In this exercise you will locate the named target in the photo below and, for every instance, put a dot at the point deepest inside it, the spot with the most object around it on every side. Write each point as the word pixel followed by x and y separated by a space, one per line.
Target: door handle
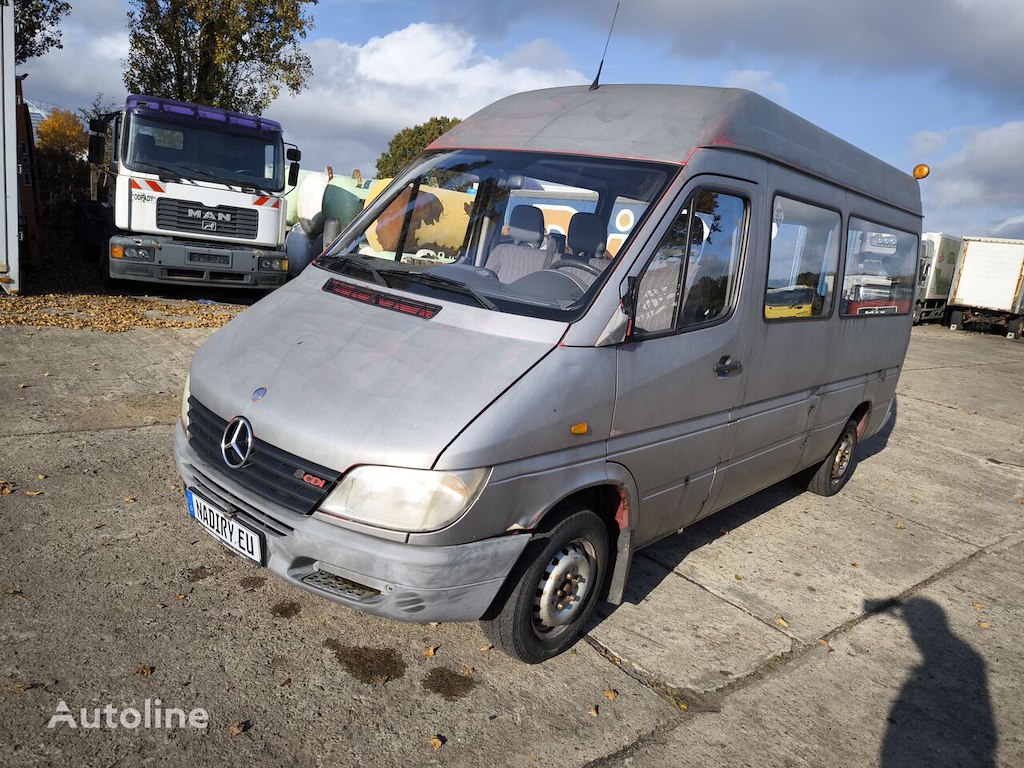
pixel 726 366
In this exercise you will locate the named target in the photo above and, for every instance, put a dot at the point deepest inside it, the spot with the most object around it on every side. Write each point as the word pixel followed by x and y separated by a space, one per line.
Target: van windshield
pixel 520 232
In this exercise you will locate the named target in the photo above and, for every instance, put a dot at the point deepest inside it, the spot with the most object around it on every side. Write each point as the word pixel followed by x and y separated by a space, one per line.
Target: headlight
pixel 184 400
pixel 399 499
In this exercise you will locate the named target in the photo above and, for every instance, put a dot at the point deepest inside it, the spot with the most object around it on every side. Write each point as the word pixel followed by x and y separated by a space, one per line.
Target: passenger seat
pixel 523 256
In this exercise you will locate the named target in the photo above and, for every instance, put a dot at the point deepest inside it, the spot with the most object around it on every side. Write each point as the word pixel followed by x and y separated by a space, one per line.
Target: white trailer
pixel 988 286
pixel 936 265
pixel 10 276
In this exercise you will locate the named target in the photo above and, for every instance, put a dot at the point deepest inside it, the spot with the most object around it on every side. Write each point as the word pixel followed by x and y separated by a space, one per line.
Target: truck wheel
pixel 1014 328
pixel 956 320
pixel 829 477
pixel 554 590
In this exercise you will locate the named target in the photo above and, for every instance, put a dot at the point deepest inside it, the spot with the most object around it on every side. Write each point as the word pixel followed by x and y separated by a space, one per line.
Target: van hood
pixel 351 383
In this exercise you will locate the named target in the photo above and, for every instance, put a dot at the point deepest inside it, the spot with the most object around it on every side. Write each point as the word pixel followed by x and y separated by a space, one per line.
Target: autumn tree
pixel 409 142
pixel 37 27
pixel 62 131
pixel 234 54
pixel 61 167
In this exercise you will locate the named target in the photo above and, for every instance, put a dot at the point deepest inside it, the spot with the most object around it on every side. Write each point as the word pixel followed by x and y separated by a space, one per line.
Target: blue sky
pixel 935 81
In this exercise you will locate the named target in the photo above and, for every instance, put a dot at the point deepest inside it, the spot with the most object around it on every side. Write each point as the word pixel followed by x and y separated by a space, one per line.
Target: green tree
pixel 98 108
pixel 37 27
pixel 409 142
pixel 234 54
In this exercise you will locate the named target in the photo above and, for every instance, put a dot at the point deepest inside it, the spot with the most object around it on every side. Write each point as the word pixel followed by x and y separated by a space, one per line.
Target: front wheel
pixel 829 477
pixel 554 590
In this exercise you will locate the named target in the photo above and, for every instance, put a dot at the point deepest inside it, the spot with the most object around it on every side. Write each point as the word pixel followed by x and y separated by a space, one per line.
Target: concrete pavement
pixel 879 627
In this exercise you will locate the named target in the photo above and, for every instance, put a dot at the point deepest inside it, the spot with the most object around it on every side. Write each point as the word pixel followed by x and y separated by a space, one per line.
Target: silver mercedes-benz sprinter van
pixel 580 321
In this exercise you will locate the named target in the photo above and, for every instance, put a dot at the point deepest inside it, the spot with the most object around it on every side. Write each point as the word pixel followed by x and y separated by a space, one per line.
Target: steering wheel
pixel 586 266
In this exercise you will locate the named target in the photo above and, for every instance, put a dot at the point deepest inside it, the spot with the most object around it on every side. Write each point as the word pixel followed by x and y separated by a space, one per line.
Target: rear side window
pixel 693 277
pixel 803 260
pixel 880 270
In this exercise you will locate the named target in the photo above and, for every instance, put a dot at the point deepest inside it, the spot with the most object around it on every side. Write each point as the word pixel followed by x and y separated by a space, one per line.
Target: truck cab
pixel 184 193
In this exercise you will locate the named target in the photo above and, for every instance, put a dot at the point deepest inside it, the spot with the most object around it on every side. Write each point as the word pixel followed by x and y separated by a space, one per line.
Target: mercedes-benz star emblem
pixel 236 445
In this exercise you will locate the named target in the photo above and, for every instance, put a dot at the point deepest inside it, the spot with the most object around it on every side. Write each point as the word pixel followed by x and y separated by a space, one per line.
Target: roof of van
pixel 668 123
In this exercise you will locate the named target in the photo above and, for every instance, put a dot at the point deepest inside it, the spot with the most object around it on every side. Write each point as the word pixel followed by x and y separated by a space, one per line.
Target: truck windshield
pixel 528 233
pixel 201 150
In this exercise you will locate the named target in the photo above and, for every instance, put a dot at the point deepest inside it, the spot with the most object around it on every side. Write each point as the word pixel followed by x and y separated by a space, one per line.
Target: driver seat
pixel 586 240
pixel 521 257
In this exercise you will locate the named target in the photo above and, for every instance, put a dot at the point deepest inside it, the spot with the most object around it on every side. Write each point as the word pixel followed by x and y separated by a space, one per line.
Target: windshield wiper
pixel 351 266
pixel 445 283
pixel 165 173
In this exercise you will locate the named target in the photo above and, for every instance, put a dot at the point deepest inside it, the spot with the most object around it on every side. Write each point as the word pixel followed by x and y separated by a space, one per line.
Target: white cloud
pixel 759 81
pixel 359 96
pixel 977 189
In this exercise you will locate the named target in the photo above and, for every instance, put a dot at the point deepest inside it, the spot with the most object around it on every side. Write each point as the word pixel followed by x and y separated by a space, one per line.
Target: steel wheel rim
pixel 844 453
pixel 564 587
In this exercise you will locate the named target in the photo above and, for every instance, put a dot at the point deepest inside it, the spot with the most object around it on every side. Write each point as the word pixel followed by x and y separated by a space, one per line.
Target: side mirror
pixel 293 153
pixel 97 124
pixel 293 174
pixel 96 145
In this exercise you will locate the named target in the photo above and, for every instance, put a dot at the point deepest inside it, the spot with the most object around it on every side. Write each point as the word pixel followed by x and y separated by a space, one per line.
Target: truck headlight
pixel 274 265
pixel 398 499
pixel 184 400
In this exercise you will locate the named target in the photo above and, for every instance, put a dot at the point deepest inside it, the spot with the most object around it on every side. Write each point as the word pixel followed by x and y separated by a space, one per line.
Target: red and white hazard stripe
pixel 154 186
pixel 270 202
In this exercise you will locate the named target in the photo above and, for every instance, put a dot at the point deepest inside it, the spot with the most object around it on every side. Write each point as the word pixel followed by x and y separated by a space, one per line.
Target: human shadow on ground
pixel 942 717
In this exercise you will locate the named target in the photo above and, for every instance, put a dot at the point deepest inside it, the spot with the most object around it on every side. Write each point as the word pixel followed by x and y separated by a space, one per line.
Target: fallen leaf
pixel 129 499
pixel 437 741
pixel 855 565
pixel 593 711
pixel 46 373
pixel 984 625
pixel 900 526
pixel 145 671
pixel 97 526
pixel 822 641
pixel 487 648
pixel 379 680
pixel 467 671
pixel 738 577
pixel 40 477
pixel 22 386
pixel 431 650
pixel 683 707
pixel 179 597
pixel 434 623
pixel 161 605
pixel 236 728
pixel 22 687
pixel 611 694
pixel 781 622
pixel 286 683
pixel 977 606
pixel 5 490
pixel 33 493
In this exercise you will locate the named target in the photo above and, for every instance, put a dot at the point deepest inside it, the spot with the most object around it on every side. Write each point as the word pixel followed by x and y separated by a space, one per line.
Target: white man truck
pixel 988 287
pixel 188 194
pixel 937 261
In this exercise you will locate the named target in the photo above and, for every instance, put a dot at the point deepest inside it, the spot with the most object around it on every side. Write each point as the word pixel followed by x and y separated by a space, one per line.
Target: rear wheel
pixel 554 590
pixel 956 320
pixel 829 477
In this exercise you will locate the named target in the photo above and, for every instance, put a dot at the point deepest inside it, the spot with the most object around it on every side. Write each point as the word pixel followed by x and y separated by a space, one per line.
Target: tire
pixel 1014 328
pixel 829 477
pixel 956 320
pixel 526 622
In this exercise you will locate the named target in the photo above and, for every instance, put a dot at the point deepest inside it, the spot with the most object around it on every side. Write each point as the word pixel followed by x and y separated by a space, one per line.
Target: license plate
pixel 221 259
pixel 238 538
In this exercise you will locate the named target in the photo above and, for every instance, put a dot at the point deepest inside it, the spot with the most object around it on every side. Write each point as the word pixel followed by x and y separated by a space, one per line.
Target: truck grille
pixel 274 474
pixel 225 220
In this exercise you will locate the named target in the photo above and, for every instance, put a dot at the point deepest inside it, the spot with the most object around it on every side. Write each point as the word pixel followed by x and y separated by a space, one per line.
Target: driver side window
pixel 693 277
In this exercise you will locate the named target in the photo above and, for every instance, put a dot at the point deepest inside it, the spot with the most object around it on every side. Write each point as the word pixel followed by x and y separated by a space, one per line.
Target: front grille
pixel 339 586
pixel 270 472
pixel 225 220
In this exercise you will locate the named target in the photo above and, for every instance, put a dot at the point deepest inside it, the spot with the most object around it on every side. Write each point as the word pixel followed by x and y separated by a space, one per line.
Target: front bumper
pixel 393 579
pixel 184 262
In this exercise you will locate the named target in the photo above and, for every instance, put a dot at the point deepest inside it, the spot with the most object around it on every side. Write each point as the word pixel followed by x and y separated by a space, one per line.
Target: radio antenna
pixel 597 78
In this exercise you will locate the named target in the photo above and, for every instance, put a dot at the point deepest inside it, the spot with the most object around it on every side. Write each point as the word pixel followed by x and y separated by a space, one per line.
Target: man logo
pixel 209 226
pixel 205 215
